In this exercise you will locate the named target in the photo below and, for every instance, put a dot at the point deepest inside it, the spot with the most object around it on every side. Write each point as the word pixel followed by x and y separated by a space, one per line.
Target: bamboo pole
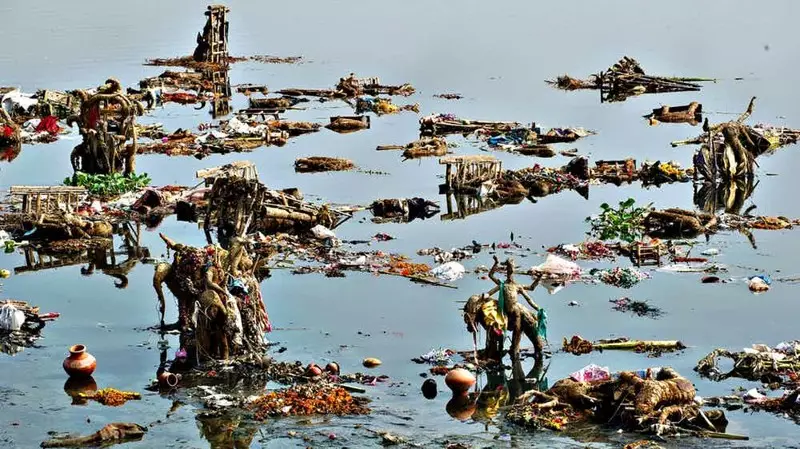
pixel 633 344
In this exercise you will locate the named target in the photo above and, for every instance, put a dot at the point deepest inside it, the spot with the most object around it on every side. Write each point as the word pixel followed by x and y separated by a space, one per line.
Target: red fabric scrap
pixel 49 124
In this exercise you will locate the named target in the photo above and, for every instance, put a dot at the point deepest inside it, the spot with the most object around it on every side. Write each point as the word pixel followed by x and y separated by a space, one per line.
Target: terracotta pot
pixel 332 368
pixel 79 363
pixel 168 380
pixel 313 370
pixel 459 380
pixel 74 386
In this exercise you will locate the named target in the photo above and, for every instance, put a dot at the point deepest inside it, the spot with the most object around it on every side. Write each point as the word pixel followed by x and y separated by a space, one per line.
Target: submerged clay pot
pixel 459 380
pixel 79 363
pixel 461 407
pixel 332 368
pixel 168 380
pixel 74 386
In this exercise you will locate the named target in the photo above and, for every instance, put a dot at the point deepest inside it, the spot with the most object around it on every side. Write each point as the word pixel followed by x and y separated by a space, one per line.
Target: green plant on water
pixel 623 223
pixel 113 184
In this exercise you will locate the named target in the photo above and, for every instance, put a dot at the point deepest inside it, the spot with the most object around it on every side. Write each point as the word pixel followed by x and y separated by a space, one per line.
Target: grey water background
pixel 497 55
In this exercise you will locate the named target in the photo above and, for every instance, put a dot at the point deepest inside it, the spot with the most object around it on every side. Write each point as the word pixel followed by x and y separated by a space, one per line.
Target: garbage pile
pixel 578 345
pixel 625 79
pixel 775 368
pixel 425 147
pixel 352 87
pixel 660 402
pixel 308 399
pixel 402 210
pixel 239 205
pixel 531 141
pixel 382 106
pixel 20 325
pixel 729 149
pixel 691 114
pixel 316 164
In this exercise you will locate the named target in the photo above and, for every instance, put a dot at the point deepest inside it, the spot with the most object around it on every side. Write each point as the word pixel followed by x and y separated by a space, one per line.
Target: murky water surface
pixel 497 55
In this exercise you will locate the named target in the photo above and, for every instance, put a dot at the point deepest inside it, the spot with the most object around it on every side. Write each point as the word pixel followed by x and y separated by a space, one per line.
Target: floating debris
pixel 578 345
pixel 315 164
pixel 111 396
pixel 626 78
pixel 110 434
pixel 267 59
pixel 639 308
pixel 306 400
pixel 691 114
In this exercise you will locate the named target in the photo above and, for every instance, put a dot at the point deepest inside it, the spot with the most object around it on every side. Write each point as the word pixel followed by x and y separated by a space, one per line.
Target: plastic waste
pixel 11 318
pixel 757 284
pixel 710 252
pixel 17 100
pixel 753 396
pixel 449 271
pixel 239 127
pixel 4 274
pixel 555 266
pixel 591 373
pixel 322 233
pixel 789 347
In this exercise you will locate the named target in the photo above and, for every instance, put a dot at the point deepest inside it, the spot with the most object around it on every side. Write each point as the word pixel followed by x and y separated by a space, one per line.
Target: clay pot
pixel 371 362
pixel 168 380
pixel 74 386
pixel 429 389
pixel 459 380
pixel 332 368
pixel 313 370
pixel 461 407
pixel 79 363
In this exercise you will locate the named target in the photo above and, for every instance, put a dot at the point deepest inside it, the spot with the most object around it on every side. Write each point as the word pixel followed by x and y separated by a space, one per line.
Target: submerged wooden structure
pixel 466 205
pixel 212 43
pixel 38 200
pixel 239 203
pixel 468 172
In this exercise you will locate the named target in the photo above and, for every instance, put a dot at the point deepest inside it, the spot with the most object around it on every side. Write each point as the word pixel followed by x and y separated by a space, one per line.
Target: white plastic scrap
pixel 555 266
pixel 322 233
pixel 16 99
pixel 11 318
pixel 239 127
pixel 450 271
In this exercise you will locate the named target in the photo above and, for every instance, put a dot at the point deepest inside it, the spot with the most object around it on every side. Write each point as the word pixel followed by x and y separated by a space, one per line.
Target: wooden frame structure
pixel 47 199
pixel 469 171
pixel 212 45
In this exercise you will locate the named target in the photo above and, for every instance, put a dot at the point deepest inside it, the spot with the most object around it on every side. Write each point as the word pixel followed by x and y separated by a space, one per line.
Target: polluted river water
pixel 497 55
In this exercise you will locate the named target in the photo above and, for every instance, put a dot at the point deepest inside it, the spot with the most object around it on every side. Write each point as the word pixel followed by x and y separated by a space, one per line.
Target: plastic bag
pixel 555 266
pixel 449 271
pixel 591 373
pixel 11 318
pixel 757 285
pixel 322 233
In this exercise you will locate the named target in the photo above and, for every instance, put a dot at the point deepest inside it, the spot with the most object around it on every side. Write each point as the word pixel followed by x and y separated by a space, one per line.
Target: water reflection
pixel 728 196
pixel 498 392
pixel 75 386
pixel 103 258
pixel 220 90
pixel 10 152
pixel 226 432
